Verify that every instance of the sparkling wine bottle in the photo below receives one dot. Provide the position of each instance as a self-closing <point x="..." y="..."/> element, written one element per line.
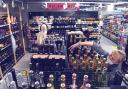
<point x="31" y="78"/>
<point x="63" y="78"/>
<point x="37" y="85"/>
<point x="85" y="80"/>
<point x="51" y="80"/>
<point x="42" y="85"/>
<point x="12" y="85"/>
<point x="74" y="86"/>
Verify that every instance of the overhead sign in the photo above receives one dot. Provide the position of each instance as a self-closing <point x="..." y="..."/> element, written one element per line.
<point x="61" y="6"/>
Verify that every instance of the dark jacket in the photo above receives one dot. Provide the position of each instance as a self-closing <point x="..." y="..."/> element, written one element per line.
<point x="113" y="78"/>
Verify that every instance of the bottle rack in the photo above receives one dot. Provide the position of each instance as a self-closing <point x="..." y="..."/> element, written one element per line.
<point x="6" y="52"/>
<point x="115" y="29"/>
<point x="8" y="30"/>
<point x="89" y="28"/>
<point x="110" y="30"/>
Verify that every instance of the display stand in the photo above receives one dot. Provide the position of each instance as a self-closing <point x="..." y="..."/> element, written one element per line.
<point x="8" y="13"/>
<point x="11" y="41"/>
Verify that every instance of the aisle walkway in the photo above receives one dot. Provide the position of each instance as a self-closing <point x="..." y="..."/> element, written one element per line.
<point x="23" y="64"/>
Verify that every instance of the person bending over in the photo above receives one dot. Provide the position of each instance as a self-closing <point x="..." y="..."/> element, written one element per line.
<point x="114" y="59"/>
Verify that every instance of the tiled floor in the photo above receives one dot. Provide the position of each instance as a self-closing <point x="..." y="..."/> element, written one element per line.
<point x="23" y="64"/>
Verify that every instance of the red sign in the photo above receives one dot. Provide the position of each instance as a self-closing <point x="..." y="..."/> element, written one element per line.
<point x="55" y="5"/>
<point x="61" y="6"/>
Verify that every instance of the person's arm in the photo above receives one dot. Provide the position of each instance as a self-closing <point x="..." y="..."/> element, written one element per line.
<point x="86" y="43"/>
<point x="94" y="46"/>
<point x="99" y="49"/>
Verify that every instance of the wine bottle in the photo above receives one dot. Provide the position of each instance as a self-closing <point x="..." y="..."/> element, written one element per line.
<point x="62" y="78"/>
<point x="75" y="62"/>
<point x="83" y="63"/>
<point x="31" y="78"/>
<point x="51" y="80"/>
<point x="98" y="76"/>
<point x="104" y="74"/>
<point x="41" y="80"/>
<point x="37" y="85"/>
<point x="74" y="86"/>
<point x="19" y="79"/>
<point x="85" y="80"/>
<point x="12" y="85"/>
<point x="24" y="85"/>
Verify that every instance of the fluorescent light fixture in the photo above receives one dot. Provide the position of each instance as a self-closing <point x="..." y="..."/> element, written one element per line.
<point x="13" y="4"/>
<point x="22" y="7"/>
<point x="4" y="4"/>
<point x="110" y="7"/>
<point x="65" y="6"/>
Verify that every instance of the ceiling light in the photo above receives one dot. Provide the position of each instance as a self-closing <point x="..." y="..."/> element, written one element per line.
<point x="22" y="7"/>
<point x="13" y="4"/>
<point x="4" y="4"/>
<point x="110" y="7"/>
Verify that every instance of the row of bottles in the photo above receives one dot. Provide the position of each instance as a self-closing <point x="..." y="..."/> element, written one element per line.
<point x="87" y="60"/>
<point x="5" y="21"/>
<point x="62" y="22"/>
<point x="4" y="31"/>
<point x="5" y="43"/>
<point x="41" y="80"/>
<point x="54" y="44"/>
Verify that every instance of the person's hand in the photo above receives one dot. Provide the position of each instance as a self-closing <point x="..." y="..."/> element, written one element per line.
<point x="74" y="46"/>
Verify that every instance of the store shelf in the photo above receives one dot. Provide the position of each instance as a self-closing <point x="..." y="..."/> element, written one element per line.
<point x="4" y="37"/>
<point x="4" y="25"/>
<point x="5" y="47"/>
<point x="8" y="69"/>
<point x="6" y="58"/>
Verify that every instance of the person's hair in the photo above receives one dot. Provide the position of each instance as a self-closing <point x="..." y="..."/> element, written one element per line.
<point x="122" y="55"/>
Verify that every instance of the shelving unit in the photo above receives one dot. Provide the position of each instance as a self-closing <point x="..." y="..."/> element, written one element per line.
<point x="115" y="28"/>
<point x="11" y="43"/>
<point x="91" y="26"/>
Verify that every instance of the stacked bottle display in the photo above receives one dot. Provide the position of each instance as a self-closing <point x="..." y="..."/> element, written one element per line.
<point x="61" y="25"/>
<point x="54" y="80"/>
<point x="8" y="38"/>
<point x="6" y="53"/>
<point x="54" y="44"/>
<point x="87" y="60"/>
<point x="3" y="20"/>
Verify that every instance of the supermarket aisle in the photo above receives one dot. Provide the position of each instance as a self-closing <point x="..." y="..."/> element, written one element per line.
<point x="23" y="64"/>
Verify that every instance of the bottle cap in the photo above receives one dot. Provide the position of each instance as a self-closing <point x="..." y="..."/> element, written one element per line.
<point x="49" y="85"/>
<point x="85" y="76"/>
<point x="62" y="76"/>
<point x="62" y="85"/>
<point x="126" y="76"/>
<point x="51" y="76"/>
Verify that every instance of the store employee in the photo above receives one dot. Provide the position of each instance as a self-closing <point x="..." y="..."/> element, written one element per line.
<point x="114" y="59"/>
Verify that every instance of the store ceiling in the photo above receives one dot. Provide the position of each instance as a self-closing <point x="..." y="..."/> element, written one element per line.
<point x="71" y="0"/>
